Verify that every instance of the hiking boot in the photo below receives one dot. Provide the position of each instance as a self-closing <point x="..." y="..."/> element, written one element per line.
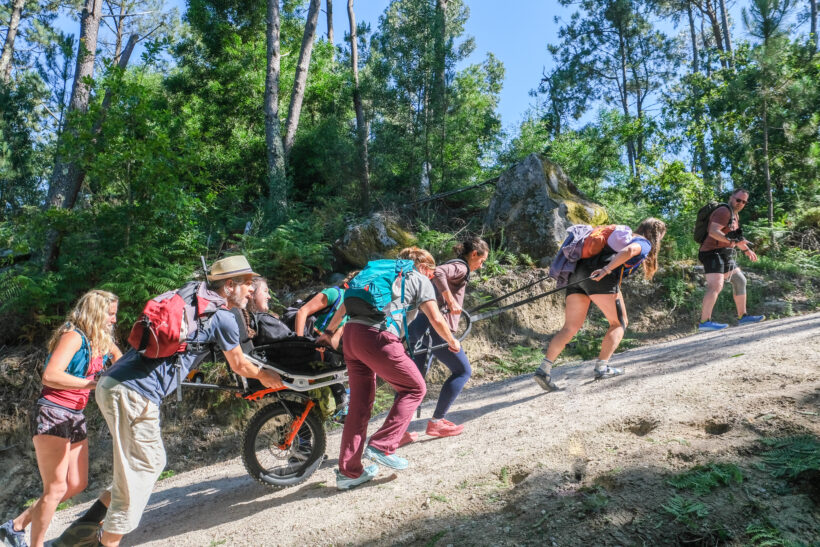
<point x="80" y="534"/>
<point x="392" y="461"/>
<point x="707" y="326"/>
<point x="408" y="437"/>
<point x="443" y="428"/>
<point x="11" y="537"/>
<point x="607" y="372"/>
<point x="344" y="482"/>
<point x="544" y="380"/>
<point x="746" y="319"/>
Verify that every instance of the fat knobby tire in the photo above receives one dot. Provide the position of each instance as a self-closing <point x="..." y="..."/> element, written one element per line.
<point x="311" y="434"/>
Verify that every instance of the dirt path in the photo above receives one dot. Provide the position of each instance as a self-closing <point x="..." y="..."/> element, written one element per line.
<point x="524" y="453"/>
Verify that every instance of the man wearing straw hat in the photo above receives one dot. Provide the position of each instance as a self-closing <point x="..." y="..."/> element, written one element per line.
<point x="130" y="392"/>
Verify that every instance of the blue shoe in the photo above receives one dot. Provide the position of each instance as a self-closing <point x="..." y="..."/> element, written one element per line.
<point x="392" y="461"/>
<point x="344" y="482"/>
<point x="746" y="319"/>
<point x="10" y="537"/>
<point x="707" y="326"/>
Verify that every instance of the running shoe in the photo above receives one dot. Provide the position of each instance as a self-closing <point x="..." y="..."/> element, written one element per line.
<point x="543" y="379"/>
<point x="408" y="437"/>
<point x="608" y="372"/>
<point x="746" y="319"/>
<point x="344" y="482"/>
<point x="707" y="326"/>
<point x="443" y="428"/>
<point x="11" y="537"/>
<point x="392" y="461"/>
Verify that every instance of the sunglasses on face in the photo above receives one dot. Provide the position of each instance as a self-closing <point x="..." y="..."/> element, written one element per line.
<point x="740" y="200"/>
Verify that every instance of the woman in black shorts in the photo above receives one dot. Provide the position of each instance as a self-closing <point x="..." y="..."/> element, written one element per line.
<point x="78" y="352"/>
<point x="607" y="270"/>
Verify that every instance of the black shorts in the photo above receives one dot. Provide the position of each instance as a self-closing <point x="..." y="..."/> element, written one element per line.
<point x="719" y="261"/>
<point x="584" y="267"/>
<point x="52" y="419"/>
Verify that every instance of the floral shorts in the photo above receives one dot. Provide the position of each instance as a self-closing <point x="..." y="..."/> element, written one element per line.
<point x="51" y="419"/>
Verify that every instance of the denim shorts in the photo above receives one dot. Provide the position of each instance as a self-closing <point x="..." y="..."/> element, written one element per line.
<point x="52" y="419"/>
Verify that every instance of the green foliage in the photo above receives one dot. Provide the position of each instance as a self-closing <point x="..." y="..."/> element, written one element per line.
<point x="166" y="474"/>
<point x="439" y="244"/>
<point x="289" y="253"/>
<point x="685" y="511"/>
<point x="702" y="479"/>
<point x="764" y="534"/>
<point x="519" y="360"/>
<point x="790" y="456"/>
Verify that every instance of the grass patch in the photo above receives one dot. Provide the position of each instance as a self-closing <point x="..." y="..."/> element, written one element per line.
<point x="437" y="536"/>
<point x="705" y="478"/>
<point x="168" y="473"/>
<point x="519" y="360"/>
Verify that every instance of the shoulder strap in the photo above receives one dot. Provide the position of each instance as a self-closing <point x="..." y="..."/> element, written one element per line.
<point x="458" y="260"/>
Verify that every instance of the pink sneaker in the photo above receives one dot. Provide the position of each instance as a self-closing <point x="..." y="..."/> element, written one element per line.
<point x="408" y="437"/>
<point x="443" y="428"/>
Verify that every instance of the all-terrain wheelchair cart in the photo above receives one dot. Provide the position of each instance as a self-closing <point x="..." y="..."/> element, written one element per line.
<point x="284" y="442"/>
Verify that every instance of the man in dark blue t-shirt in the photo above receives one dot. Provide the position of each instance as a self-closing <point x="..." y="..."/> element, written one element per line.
<point x="130" y="392"/>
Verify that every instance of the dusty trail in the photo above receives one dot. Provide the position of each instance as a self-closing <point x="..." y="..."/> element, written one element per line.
<point x="679" y="403"/>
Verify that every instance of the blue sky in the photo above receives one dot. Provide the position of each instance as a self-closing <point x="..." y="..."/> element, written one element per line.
<point x="517" y="34"/>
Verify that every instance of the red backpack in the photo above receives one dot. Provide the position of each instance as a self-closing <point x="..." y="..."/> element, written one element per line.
<point x="167" y="320"/>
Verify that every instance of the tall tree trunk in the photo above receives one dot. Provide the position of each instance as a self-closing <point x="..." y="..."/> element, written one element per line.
<point x="362" y="129"/>
<point x="766" y="172"/>
<point x="120" y="21"/>
<point x="727" y="42"/>
<point x="65" y="179"/>
<point x="693" y="36"/>
<point x="708" y="10"/>
<point x="330" y="21"/>
<point x="11" y="34"/>
<point x="813" y="29"/>
<point x="300" y="80"/>
<point x="630" y="143"/>
<point x="440" y="85"/>
<point x="277" y="182"/>
<point x="699" y="154"/>
<point x="122" y="63"/>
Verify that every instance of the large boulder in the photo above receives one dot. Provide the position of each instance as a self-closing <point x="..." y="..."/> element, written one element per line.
<point x="380" y="236"/>
<point x="534" y="204"/>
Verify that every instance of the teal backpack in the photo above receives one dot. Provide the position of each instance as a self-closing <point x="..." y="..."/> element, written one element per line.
<point x="371" y="291"/>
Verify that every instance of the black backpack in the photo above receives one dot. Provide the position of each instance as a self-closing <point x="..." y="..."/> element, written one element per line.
<point x="270" y="329"/>
<point x="702" y="222"/>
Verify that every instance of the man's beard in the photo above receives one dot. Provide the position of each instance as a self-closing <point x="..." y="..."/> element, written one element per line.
<point x="237" y="301"/>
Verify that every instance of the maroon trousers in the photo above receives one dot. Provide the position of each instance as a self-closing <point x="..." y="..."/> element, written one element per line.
<point x="368" y="353"/>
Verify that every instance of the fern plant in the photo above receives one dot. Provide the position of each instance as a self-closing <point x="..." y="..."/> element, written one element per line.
<point x="790" y="456"/>
<point x="702" y="479"/>
<point x="685" y="510"/>
<point x="764" y="534"/>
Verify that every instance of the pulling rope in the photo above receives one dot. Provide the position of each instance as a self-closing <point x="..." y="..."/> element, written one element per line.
<point x="493" y="313"/>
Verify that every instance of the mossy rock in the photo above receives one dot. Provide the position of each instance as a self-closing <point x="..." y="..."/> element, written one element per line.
<point x="534" y="204"/>
<point x="380" y="236"/>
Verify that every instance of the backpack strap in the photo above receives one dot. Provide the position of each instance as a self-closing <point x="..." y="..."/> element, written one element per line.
<point x="78" y="366"/>
<point x="459" y="260"/>
<point x="332" y="310"/>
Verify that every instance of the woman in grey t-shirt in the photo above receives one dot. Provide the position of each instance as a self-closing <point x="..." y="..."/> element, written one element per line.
<point x="374" y="348"/>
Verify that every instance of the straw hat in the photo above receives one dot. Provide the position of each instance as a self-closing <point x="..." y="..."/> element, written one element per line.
<point x="233" y="266"/>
